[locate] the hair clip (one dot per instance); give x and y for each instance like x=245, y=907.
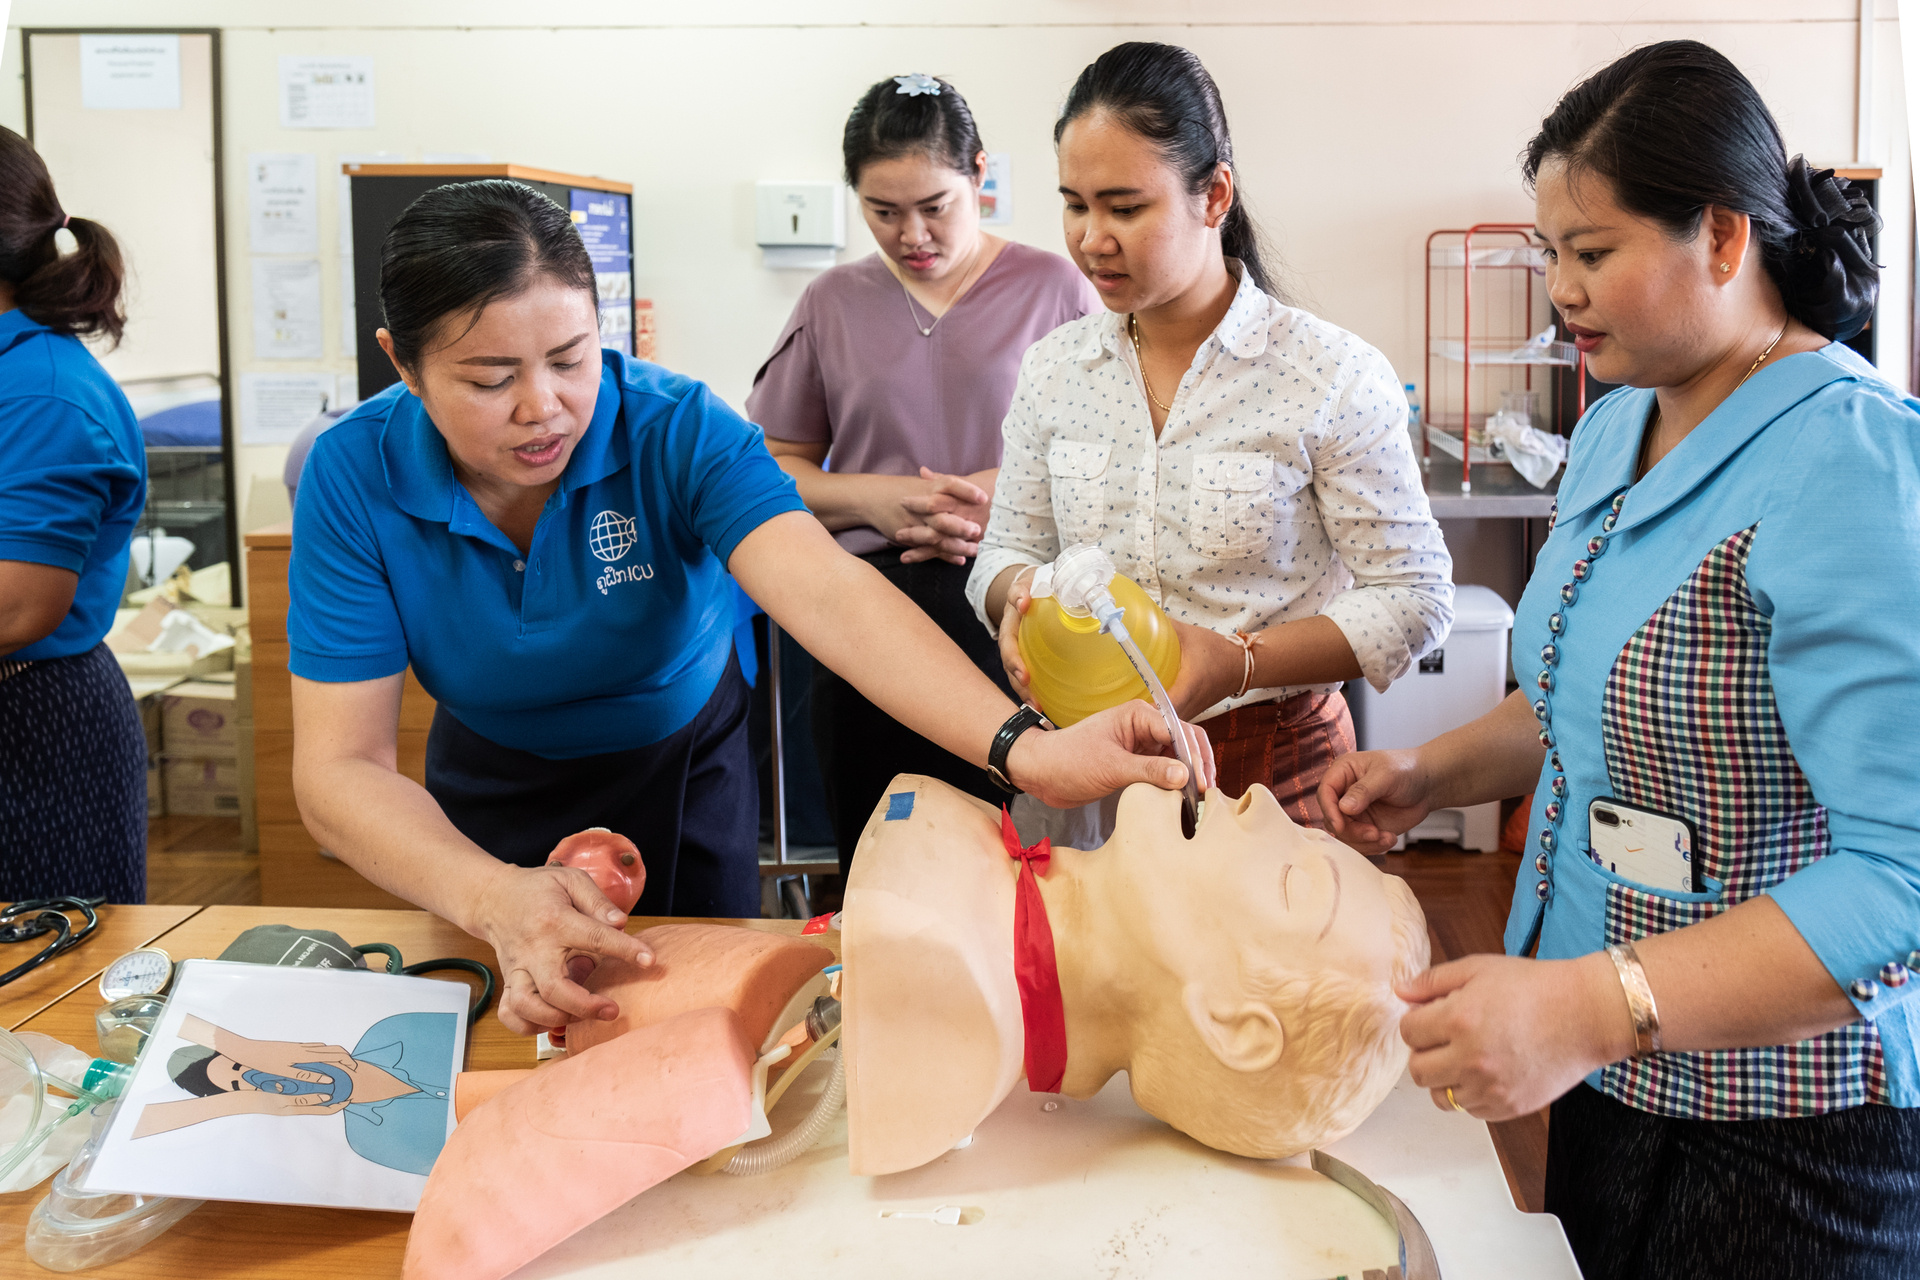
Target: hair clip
x=916, y=84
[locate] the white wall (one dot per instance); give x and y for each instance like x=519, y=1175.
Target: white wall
x=1360, y=125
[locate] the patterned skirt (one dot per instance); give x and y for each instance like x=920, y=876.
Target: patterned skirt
x=1285, y=745
x=73, y=781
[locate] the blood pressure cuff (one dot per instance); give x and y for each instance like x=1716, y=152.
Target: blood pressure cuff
x=282, y=944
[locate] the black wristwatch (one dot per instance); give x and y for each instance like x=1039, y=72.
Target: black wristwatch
x=1017, y=723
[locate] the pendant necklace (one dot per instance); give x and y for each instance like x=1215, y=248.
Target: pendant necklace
x=927, y=332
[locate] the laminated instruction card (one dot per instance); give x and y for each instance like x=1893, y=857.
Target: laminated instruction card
x=290, y=1086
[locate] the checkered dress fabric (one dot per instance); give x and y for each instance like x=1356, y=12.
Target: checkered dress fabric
x=1691, y=728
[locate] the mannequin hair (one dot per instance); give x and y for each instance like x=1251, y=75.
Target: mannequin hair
x=1342, y=1054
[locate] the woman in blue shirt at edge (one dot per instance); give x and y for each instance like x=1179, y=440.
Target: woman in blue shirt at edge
x=73, y=757
x=1723, y=619
x=540, y=529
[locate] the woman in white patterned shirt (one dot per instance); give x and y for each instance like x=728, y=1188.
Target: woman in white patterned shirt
x=1245, y=462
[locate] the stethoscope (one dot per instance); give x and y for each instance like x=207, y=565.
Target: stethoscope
x=49, y=916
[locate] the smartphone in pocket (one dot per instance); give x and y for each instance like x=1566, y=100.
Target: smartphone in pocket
x=1644, y=845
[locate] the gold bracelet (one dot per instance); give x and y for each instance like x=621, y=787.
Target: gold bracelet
x=1633, y=983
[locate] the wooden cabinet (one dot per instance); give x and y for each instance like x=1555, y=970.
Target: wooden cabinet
x=293, y=869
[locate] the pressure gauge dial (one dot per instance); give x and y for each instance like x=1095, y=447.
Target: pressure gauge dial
x=144, y=972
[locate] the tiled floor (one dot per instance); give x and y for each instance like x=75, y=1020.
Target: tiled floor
x=201, y=860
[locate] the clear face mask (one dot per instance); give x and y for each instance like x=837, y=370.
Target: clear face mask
x=55, y=1102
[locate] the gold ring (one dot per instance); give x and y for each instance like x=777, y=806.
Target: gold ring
x=1454, y=1102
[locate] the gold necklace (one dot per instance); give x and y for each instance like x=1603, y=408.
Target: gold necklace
x=979, y=249
x=1763, y=357
x=1653, y=427
x=1133, y=331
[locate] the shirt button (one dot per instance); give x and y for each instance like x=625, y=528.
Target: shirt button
x=1540, y=864
x=1863, y=989
x=1542, y=890
x=519, y=566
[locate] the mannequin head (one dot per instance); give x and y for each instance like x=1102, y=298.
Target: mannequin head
x=1259, y=958
x=1242, y=978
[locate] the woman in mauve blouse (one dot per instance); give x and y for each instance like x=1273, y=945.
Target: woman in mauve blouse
x=901, y=366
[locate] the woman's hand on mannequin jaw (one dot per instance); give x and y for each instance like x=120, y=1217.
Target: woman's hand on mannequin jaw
x=846, y=615
x=1372, y=798
x=1509, y=1035
x=936, y=512
x=1101, y=754
x=538, y=920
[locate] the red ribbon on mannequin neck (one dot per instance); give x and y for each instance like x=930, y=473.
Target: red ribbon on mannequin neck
x=1035, y=969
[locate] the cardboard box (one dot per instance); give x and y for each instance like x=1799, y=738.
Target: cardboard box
x=200, y=718
x=156, y=794
x=150, y=721
x=249, y=806
x=202, y=786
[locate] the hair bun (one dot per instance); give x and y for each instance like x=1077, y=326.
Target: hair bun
x=1831, y=277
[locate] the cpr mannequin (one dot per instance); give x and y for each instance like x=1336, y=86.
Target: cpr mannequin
x=1242, y=978
x=539, y=1154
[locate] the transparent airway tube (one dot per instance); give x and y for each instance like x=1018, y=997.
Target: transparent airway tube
x=1079, y=580
x=1113, y=622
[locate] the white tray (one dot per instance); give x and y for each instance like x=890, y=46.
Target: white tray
x=1090, y=1188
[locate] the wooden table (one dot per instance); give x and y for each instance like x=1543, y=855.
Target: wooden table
x=121, y=930
x=278, y=1241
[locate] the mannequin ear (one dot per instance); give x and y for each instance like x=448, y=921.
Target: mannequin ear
x=1246, y=1037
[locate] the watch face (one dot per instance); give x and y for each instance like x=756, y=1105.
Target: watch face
x=138, y=973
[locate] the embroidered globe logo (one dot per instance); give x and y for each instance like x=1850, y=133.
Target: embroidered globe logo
x=610, y=536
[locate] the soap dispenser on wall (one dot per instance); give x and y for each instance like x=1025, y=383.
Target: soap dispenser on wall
x=800, y=224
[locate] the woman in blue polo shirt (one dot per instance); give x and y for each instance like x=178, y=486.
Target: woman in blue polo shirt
x=1720, y=633
x=542, y=529
x=73, y=757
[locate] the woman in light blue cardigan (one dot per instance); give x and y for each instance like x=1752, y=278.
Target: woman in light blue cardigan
x=1722, y=628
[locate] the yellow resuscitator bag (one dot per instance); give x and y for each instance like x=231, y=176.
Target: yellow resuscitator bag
x=1073, y=667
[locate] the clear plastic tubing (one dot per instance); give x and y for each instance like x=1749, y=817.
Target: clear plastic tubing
x=1079, y=581
x=765, y=1157
x=1113, y=622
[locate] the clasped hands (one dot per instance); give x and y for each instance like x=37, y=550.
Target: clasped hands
x=938, y=517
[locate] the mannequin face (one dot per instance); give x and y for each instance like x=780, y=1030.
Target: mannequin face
x=1241, y=978
x=1261, y=956
x=1291, y=895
